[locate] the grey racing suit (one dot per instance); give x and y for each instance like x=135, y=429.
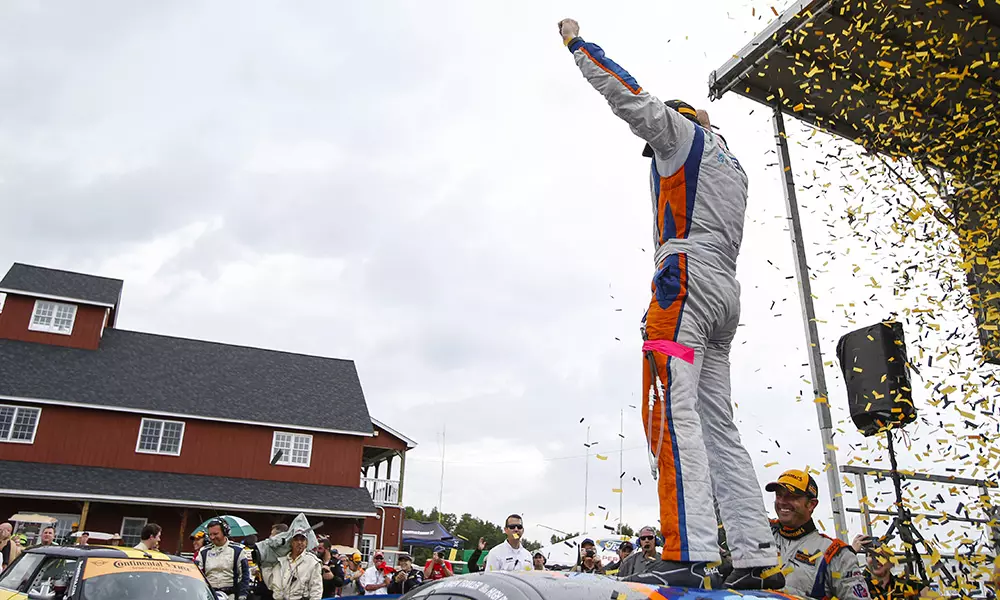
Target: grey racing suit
x=699, y=194
x=819, y=566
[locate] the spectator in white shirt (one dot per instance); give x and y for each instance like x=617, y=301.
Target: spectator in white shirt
x=375, y=581
x=510, y=555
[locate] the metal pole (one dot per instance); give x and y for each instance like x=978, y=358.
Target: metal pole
x=812, y=334
x=441, y=490
x=991, y=514
x=866, y=518
x=586, y=480
x=621, y=470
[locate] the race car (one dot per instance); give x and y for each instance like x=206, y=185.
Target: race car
x=102, y=573
x=560, y=585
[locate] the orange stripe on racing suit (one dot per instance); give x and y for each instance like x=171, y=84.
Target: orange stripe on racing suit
x=662, y=323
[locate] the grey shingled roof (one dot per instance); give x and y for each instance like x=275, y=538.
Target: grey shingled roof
x=142, y=371
x=194, y=490
x=53, y=282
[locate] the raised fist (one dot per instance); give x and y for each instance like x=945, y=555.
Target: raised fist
x=569, y=29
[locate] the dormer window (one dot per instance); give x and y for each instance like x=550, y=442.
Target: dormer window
x=295, y=448
x=53, y=317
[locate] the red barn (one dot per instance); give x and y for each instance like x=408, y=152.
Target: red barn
x=105, y=429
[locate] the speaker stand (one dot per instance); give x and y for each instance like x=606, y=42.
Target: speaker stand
x=902, y=524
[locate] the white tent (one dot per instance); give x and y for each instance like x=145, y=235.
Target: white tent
x=565, y=554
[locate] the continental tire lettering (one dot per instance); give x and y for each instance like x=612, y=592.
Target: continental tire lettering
x=100, y=567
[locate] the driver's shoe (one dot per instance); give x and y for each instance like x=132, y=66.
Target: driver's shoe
x=671, y=573
x=756, y=578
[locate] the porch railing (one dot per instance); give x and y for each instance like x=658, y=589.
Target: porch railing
x=383, y=491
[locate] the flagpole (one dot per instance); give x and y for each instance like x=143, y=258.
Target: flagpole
x=621, y=470
x=586, y=480
x=441, y=489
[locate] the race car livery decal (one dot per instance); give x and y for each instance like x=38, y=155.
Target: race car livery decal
x=97, y=567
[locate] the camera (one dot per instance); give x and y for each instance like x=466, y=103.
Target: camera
x=589, y=553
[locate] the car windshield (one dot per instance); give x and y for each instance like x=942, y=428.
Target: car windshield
x=20, y=571
x=110, y=579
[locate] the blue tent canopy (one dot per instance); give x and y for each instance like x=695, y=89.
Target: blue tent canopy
x=427, y=534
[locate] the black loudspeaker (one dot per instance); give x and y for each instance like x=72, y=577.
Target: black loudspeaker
x=874, y=363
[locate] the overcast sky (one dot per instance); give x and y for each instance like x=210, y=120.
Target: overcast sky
x=433, y=191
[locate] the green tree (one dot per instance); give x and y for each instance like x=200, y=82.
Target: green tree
x=624, y=529
x=467, y=528
x=555, y=539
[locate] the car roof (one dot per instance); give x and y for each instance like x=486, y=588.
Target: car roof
x=104, y=552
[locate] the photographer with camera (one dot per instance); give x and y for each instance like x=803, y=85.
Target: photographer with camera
x=437, y=567
x=589, y=561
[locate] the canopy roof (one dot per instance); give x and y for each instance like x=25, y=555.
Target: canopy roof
x=908, y=78
x=429, y=534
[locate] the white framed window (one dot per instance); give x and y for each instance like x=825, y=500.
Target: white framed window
x=296, y=448
x=157, y=436
x=53, y=317
x=132, y=530
x=365, y=546
x=18, y=424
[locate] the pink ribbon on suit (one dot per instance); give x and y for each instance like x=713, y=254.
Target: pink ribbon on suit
x=670, y=348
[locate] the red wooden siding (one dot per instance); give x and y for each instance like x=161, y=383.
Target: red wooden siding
x=393, y=526
x=16, y=317
x=384, y=439
x=100, y=438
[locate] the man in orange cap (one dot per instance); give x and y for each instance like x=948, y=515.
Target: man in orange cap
x=815, y=565
x=699, y=196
